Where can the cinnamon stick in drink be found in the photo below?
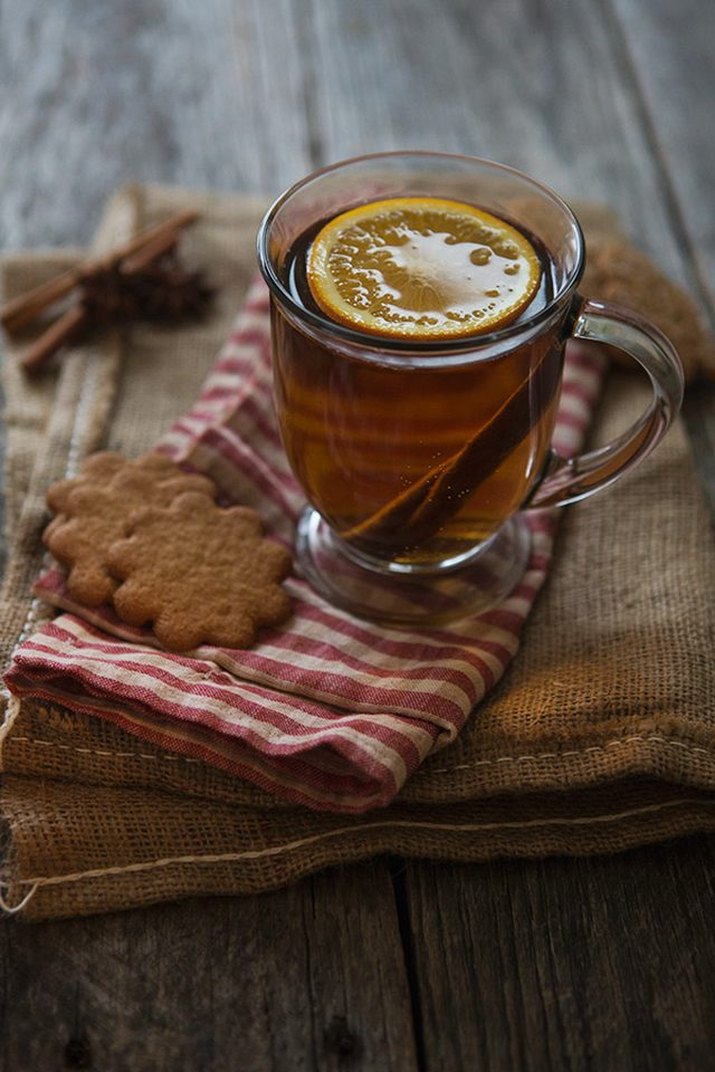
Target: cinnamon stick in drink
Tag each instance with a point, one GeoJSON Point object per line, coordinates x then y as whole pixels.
{"type": "Point", "coordinates": [417, 514]}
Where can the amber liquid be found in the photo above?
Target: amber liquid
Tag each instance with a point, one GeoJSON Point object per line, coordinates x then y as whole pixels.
{"type": "Point", "coordinates": [418, 463]}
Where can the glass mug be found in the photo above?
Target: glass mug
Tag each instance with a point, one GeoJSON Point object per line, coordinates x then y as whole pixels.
{"type": "Point", "coordinates": [419, 457]}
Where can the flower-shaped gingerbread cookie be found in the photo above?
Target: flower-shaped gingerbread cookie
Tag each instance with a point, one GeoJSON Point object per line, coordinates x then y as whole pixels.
{"type": "Point", "coordinates": [200, 574]}
{"type": "Point", "coordinates": [94, 509]}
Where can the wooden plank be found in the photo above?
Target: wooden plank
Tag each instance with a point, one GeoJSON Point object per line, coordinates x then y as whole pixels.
{"type": "Point", "coordinates": [596, 964]}
{"type": "Point", "coordinates": [300, 979]}
{"type": "Point", "coordinates": [670, 48]}
{"type": "Point", "coordinates": [202, 95]}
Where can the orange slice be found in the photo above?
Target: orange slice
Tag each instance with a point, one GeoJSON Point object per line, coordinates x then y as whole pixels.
{"type": "Point", "coordinates": [422, 268]}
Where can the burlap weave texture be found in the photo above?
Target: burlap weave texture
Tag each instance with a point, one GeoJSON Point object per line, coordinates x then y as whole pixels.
{"type": "Point", "coordinates": [601, 735]}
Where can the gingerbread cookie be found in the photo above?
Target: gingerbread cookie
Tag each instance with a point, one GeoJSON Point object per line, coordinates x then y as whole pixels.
{"type": "Point", "coordinates": [199, 574]}
{"type": "Point", "coordinates": [93, 510]}
{"type": "Point", "coordinates": [617, 272]}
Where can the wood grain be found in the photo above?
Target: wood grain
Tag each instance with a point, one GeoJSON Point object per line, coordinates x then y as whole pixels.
{"type": "Point", "coordinates": [568, 964]}
{"type": "Point", "coordinates": [304, 978]}
{"type": "Point", "coordinates": [578, 964]}
{"type": "Point", "coordinates": [669, 54]}
{"type": "Point", "coordinates": [207, 95]}
{"type": "Point", "coordinates": [669, 49]}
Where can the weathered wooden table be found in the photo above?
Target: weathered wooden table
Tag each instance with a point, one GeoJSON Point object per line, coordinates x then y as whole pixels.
{"type": "Point", "coordinates": [604, 963]}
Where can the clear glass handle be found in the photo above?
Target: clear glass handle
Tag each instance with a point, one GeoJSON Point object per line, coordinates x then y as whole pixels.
{"type": "Point", "coordinates": [566, 480]}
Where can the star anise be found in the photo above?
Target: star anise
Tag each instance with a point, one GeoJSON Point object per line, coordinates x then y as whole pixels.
{"type": "Point", "coordinates": [165, 291]}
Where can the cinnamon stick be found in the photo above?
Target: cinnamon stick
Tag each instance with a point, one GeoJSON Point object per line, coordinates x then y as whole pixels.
{"type": "Point", "coordinates": [58, 334]}
{"type": "Point", "coordinates": [421, 510]}
{"type": "Point", "coordinates": [27, 307]}
{"type": "Point", "coordinates": [177, 222]}
{"type": "Point", "coordinates": [157, 247]}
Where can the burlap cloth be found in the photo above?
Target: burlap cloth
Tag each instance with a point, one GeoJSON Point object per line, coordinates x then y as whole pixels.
{"type": "Point", "coordinates": [601, 736]}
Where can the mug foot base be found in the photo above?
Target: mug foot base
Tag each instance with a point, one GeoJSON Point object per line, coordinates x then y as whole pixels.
{"type": "Point", "coordinates": [478, 583]}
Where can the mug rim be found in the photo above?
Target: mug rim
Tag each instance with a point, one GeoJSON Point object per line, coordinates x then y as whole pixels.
{"type": "Point", "coordinates": [386, 344]}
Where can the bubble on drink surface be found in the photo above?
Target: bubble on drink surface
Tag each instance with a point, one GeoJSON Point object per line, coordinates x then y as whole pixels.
{"type": "Point", "coordinates": [480, 256]}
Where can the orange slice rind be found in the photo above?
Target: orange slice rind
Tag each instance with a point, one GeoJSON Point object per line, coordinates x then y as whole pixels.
{"type": "Point", "coordinates": [422, 268]}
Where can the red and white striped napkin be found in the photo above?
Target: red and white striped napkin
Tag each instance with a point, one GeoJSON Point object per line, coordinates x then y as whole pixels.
{"type": "Point", "coordinates": [326, 711]}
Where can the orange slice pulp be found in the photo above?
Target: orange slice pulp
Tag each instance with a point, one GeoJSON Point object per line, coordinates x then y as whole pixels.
{"type": "Point", "coordinates": [422, 268]}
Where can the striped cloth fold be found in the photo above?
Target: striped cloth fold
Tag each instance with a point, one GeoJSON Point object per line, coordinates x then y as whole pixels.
{"type": "Point", "coordinates": [327, 711]}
